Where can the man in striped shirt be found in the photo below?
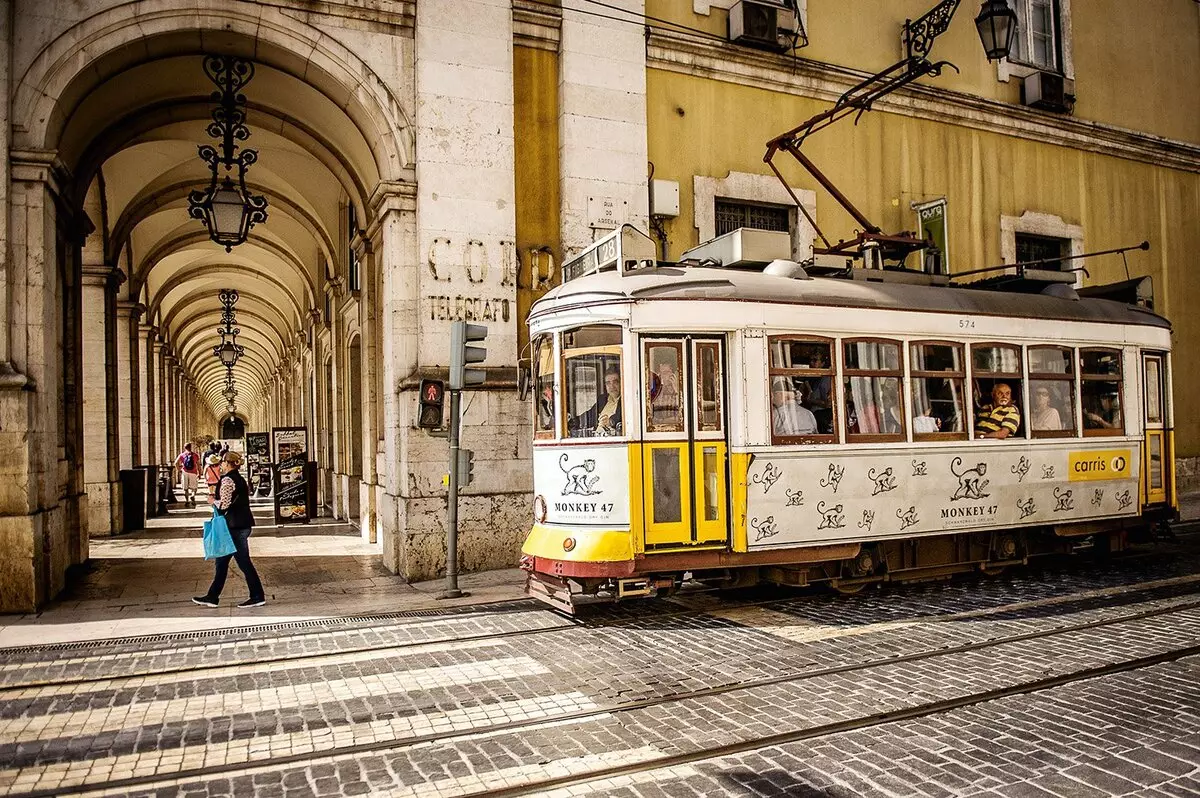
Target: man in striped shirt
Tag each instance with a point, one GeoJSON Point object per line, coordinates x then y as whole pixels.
{"type": "Point", "coordinates": [1001, 418]}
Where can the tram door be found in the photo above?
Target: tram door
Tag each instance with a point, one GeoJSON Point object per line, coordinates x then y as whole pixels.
{"type": "Point", "coordinates": [1155, 451]}
{"type": "Point", "coordinates": [684, 451]}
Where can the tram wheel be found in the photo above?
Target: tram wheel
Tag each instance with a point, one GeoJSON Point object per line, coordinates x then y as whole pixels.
{"type": "Point", "coordinates": [851, 589]}
{"type": "Point", "coordinates": [992, 570]}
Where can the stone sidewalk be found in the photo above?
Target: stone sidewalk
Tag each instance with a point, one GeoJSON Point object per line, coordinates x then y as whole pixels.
{"type": "Point", "coordinates": [142, 583]}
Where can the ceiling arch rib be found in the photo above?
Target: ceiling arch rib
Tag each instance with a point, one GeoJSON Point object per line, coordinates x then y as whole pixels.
{"type": "Point", "coordinates": [206, 286]}
{"type": "Point", "coordinates": [199, 329]}
{"type": "Point", "coordinates": [198, 243]}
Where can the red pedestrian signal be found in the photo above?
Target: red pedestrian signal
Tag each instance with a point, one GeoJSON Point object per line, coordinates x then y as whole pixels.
{"type": "Point", "coordinates": [433, 396]}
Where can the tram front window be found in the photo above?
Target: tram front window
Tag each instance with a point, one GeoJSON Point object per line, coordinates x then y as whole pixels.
{"type": "Point", "coordinates": [592, 382]}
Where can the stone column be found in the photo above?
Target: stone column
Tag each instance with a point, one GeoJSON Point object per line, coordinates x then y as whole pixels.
{"type": "Point", "coordinates": [34, 547]}
{"type": "Point", "coordinates": [129, 415]}
{"type": "Point", "coordinates": [97, 329]}
{"type": "Point", "coordinates": [160, 408]}
{"type": "Point", "coordinates": [149, 397]}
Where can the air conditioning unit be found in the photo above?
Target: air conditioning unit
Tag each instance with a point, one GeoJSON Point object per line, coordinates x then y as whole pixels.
{"type": "Point", "coordinates": [1049, 91]}
{"type": "Point", "coordinates": [762, 23]}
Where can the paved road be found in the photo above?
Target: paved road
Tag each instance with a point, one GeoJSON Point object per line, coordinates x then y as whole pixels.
{"type": "Point", "coordinates": [1081, 678]}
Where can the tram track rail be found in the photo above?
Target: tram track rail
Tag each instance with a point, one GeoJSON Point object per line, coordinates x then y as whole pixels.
{"type": "Point", "coordinates": [115, 680]}
{"type": "Point", "coordinates": [252, 766]}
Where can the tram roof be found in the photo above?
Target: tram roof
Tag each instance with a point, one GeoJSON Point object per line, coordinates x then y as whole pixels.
{"type": "Point", "coordinates": [670, 282]}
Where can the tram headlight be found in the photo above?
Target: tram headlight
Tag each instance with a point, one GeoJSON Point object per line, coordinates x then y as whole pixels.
{"type": "Point", "coordinates": [569, 544]}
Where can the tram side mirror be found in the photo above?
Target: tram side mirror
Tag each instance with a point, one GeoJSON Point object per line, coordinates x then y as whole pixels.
{"type": "Point", "coordinates": [523, 381]}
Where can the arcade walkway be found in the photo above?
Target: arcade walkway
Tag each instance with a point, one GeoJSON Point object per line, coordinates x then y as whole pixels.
{"type": "Point", "coordinates": [142, 583]}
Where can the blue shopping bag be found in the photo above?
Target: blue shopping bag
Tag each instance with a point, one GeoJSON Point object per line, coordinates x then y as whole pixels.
{"type": "Point", "coordinates": [217, 540]}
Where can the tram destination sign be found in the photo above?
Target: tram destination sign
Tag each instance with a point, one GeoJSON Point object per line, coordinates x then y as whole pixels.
{"type": "Point", "coordinates": [617, 249]}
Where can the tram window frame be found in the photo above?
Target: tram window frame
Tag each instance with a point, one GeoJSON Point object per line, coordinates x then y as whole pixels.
{"type": "Point", "coordinates": [1087, 378]}
{"type": "Point", "coordinates": [1059, 380]}
{"type": "Point", "coordinates": [605, 350]}
{"type": "Point", "coordinates": [897, 374]}
{"type": "Point", "coordinates": [793, 373]}
{"type": "Point", "coordinates": [1015, 380]}
{"type": "Point", "coordinates": [542, 430]}
{"type": "Point", "coordinates": [650, 376]}
{"type": "Point", "coordinates": [923, 374]}
{"type": "Point", "coordinates": [708, 393]}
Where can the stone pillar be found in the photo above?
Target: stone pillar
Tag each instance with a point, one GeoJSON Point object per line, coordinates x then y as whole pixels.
{"type": "Point", "coordinates": [129, 414]}
{"type": "Point", "coordinates": [97, 329]}
{"type": "Point", "coordinates": [149, 397]}
{"type": "Point", "coordinates": [34, 547]}
{"type": "Point", "coordinates": [601, 125]}
{"type": "Point", "coordinates": [160, 401]}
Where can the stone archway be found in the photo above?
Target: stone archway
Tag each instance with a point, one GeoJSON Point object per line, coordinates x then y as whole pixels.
{"type": "Point", "coordinates": [111, 111]}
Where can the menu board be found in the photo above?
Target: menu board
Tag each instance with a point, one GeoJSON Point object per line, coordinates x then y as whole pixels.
{"type": "Point", "coordinates": [258, 462]}
{"type": "Point", "coordinates": [289, 449]}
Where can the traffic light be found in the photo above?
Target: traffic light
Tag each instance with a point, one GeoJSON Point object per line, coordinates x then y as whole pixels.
{"type": "Point", "coordinates": [462, 336]}
{"type": "Point", "coordinates": [433, 394]}
{"type": "Point", "coordinates": [466, 467]}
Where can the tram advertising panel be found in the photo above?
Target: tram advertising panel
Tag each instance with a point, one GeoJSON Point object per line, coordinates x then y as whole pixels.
{"type": "Point", "coordinates": [803, 498]}
{"type": "Point", "coordinates": [582, 485]}
{"type": "Point", "coordinates": [289, 450]}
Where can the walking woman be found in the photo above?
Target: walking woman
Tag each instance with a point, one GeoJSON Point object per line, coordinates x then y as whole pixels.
{"type": "Point", "coordinates": [233, 502]}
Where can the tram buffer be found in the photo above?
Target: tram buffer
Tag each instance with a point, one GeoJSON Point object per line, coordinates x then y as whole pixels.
{"type": "Point", "coordinates": [466, 346]}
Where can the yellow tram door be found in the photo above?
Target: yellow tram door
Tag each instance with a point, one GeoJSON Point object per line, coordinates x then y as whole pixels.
{"type": "Point", "coordinates": [684, 449]}
{"type": "Point", "coordinates": [1157, 460]}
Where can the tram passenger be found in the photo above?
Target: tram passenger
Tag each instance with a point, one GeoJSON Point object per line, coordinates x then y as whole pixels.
{"type": "Point", "coordinates": [665, 407]}
{"type": "Point", "coordinates": [603, 418]}
{"type": "Point", "coordinates": [1102, 412]}
{"type": "Point", "coordinates": [1044, 415]}
{"type": "Point", "coordinates": [1001, 419]}
{"type": "Point", "coordinates": [789, 417]}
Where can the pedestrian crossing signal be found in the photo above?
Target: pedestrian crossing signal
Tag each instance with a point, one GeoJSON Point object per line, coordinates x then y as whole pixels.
{"type": "Point", "coordinates": [433, 397]}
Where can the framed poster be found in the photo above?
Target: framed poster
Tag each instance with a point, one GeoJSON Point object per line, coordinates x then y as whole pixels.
{"type": "Point", "coordinates": [289, 451]}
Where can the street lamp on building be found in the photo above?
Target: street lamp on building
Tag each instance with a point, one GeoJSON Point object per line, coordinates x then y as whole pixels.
{"type": "Point", "coordinates": [226, 206]}
{"type": "Point", "coordinates": [997, 26]}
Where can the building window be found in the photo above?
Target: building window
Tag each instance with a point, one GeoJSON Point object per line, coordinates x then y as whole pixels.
{"type": "Point", "coordinates": [1044, 248]}
{"type": "Point", "coordinates": [1038, 40]}
{"type": "Point", "coordinates": [352, 265]}
{"type": "Point", "coordinates": [732, 215]}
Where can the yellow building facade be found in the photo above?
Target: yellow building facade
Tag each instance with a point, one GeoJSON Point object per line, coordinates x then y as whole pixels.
{"type": "Point", "coordinates": [1122, 166]}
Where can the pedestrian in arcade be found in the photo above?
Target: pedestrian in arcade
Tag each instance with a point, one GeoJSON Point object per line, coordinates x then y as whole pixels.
{"type": "Point", "coordinates": [188, 463]}
{"type": "Point", "coordinates": [212, 476]}
{"type": "Point", "coordinates": [233, 502]}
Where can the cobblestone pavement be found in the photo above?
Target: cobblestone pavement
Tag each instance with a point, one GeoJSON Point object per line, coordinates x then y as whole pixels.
{"type": "Point", "coordinates": [1077, 679]}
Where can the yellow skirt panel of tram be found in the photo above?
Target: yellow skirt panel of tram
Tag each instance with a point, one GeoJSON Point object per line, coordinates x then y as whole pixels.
{"type": "Point", "coordinates": [739, 466]}
{"type": "Point", "coordinates": [579, 545]}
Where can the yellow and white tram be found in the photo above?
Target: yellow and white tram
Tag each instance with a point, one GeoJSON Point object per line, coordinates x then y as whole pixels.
{"type": "Point", "coordinates": [754, 424]}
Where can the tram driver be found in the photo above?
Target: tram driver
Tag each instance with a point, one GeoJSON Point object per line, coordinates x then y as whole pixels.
{"type": "Point", "coordinates": [789, 417]}
{"type": "Point", "coordinates": [603, 418]}
{"type": "Point", "coordinates": [1001, 419]}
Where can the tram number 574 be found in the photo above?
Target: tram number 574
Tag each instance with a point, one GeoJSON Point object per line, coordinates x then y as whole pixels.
{"type": "Point", "coordinates": [966, 324]}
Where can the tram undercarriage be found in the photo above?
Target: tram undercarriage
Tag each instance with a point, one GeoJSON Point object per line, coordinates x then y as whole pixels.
{"type": "Point", "coordinates": [857, 566]}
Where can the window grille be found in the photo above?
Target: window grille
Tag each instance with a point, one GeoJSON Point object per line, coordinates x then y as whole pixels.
{"type": "Point", "coordinates": [1032, 247]}
{"type": "Point", "coordinates": [732, 215]}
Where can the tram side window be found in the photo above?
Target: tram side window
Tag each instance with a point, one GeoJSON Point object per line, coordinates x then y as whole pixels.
{"type": "Point", "coordinates": [801, 375]}
{"type": "Point", "coordinates": [1051, 392]}
{"type": "Point", "coordinates": [938, 374]}
{"type": "Point", "coordinates": [872, 376]}
{"type": "Point", "coordinates": [543, 386]}
{"type": "Point", "coordinates": [997, 383]}
{"type": "Point", "coordinates": [664, 408]}
{"type": "Point", "coordinates": [592, 381]}
{"type": "Point", "coordinates": [1100, 391]}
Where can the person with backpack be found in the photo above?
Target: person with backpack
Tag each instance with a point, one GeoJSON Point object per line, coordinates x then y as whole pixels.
{"type": "Point", "coordinates": [188, 463]}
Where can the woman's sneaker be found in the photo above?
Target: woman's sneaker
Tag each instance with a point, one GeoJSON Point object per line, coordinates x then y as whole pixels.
{"type": "Point", "coordinates": [204, 601]}
{"type": "Point", "coordinates": [251, 602]}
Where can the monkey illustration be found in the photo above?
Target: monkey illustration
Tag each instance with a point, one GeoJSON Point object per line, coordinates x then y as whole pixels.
{"type": "Point", "coordinates": [580, 479]}
{"type": "Point", "coordinates": [1064, 500]}
{"type": "Point", "coordinates": [970, 482]}
{"type": "Point", "coordinates": [832, 517]}
{"type": "Point", "coordinates": [884, 481]}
